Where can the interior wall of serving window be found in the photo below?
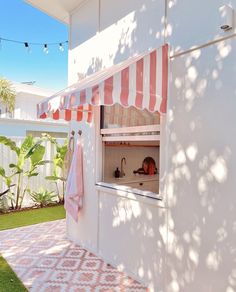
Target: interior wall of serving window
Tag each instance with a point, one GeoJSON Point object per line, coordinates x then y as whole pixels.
{"type": "Point", "coordinates": [131, 147]}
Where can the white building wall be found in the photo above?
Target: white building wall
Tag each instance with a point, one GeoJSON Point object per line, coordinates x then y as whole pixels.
{"type": "Point", "coordinates": [24, 117]}
{"type": "Point", "coordinates": [18, 128]}
{"type": "Point", "coordinates": [202, 162]}
{"type": "Point", "coordinates": [199, 191]}
{"type": "Point", "coordinates": [26, 106]}
{"type": "Point", "coordinates": [85, 232]}
{"type": "Point", "coordinates": [126, 28]}
{"type": "Point", "coordinates": [193, 23]}
{"type": "Point", "coordinates": [100, 37]}
{"type": "Point", "coordinates": [131, 236]}
{"type": "Point", "coordinates": [27, 98]}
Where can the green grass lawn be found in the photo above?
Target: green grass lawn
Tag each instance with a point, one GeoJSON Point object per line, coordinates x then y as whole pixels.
{"type": "Point", "coordinates": [8, 279]}
{"type": "Point", "coordinates": [24, 218]}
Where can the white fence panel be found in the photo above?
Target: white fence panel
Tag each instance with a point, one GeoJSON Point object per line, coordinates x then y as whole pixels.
{"type": "Point", "coordinates": [8, 156]}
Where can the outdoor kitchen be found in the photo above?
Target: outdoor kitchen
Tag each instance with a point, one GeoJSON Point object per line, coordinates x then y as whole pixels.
{"type": "Point", "coordinates": [131, 157]}
{"type": "Point", "coordinates": [133, 164]}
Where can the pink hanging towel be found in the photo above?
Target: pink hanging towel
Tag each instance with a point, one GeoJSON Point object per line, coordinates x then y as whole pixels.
{"type": "Point", "coordinates": [75, 185]}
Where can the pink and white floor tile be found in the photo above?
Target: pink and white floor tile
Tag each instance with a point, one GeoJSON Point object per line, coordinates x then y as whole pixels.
{"type": "Point", "coordinates": [45, 260]}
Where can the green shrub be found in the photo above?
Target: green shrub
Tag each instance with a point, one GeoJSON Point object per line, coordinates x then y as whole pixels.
{"type": "Point", "coordinates": [43, 197]}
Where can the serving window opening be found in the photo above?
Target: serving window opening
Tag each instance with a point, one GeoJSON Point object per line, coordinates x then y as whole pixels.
{"type": "Point", "coordinates": [131, 149]}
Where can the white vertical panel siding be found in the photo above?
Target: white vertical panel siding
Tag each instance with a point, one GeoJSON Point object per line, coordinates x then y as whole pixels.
{"type": "Point", "coordinates": [194, 23]}
{"type": "Point", "coordinates": [127, 28]}
{"type": "Point", "coordinates": [201, 171]}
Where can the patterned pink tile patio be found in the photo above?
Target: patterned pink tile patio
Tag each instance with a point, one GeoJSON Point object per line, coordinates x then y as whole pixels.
{"type": "Point", "coordinates": [45, 260]}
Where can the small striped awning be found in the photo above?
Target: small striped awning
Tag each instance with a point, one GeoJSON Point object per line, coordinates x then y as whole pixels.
{"type": "Point", "coordinates": [141, 81]}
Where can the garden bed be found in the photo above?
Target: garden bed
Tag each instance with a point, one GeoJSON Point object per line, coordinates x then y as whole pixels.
{"type": "Point", "coordinates": [24, 209]}
{"type": "Point", "coordinates": [25, 217]}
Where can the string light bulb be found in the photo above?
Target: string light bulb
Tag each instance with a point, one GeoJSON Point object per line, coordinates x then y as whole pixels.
{"type": "Point", "coordinates": [26, 44]}
{"type": "Point", "coordinates": [61, 48]}
{"type": "Point", "coordinates": [45, 49]}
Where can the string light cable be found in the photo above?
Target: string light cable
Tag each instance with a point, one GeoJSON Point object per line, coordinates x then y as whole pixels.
{"type": "Point", "coordinates": [44, 46]}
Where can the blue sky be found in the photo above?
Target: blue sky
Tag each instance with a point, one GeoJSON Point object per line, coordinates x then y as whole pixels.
{"type": "Point", "coordinates": [20, 21]}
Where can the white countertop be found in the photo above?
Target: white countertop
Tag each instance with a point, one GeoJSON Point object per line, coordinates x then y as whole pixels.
{"type": "Point", "coordinates": [131, 193]}
{"type": "Point", "coordinates": [132, 179]}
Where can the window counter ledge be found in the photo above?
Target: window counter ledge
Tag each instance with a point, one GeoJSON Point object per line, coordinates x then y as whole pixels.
{"type": "Point", "coordinates": [131, 193]}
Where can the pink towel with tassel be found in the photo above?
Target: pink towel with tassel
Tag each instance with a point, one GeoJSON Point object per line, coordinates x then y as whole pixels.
{"type": "Point", "coordinates": [75, 185]}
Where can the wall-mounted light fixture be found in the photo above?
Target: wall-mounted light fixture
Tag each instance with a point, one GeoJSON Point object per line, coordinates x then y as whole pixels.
{"type": "Point", "coordinates": [227, 17]}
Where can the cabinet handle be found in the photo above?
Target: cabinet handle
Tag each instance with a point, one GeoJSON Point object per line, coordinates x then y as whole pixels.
{"type": "Point", "coordinates": [140, 184]}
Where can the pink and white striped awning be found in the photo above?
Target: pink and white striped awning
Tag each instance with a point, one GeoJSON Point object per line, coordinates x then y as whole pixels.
{"type": "Point", "coordinates": [140, 81]}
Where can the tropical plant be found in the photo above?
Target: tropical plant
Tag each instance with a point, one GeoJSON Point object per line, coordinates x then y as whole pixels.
{"type": "Point", "coordinates": [3, 206]}
{"type": "Point", "coordinates": [7, 94]}
{"type": "Point", "coordinates": [8, 182]}
{"type": "Point", "coordinates": [35, 155]}
{"type": "Point", "coordinates": [5, 195]}
{"type": "Point", "coordinates": [43, 197]}
{"type": "Point", "coordinates": [59, 171]}
{"type": "Point", "coordinates": [2, 201]}
{"type": "Point", "coordinates": [29, 150]}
